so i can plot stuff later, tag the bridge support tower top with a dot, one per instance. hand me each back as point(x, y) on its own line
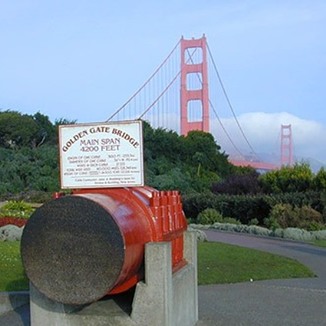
point(286, 145)
point(198, 96)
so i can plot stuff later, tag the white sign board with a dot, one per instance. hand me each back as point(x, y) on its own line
point(101, 155)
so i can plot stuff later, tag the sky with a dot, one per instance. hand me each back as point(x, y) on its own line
point(81, 60)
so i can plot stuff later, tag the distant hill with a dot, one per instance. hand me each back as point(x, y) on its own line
point(315, 165)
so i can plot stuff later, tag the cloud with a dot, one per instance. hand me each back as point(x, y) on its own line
point(263, 131)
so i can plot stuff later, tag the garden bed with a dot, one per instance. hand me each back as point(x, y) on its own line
point(17, 221)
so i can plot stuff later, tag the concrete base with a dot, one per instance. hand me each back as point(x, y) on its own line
point(163, 298)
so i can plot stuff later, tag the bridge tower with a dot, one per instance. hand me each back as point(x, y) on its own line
point(286, 145)
point(194, 98)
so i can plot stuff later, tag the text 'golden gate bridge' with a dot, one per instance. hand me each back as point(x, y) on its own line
point(177, 97)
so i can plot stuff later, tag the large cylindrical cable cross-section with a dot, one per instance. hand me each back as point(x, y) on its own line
point(75, 252)
point(78, 248)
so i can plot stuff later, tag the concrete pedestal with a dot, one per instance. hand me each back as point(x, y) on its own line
point(164, 298)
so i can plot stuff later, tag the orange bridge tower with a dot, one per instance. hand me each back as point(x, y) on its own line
point(286, 145)
point(194, 98)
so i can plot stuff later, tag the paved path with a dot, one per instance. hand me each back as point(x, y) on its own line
point(18, 317)
point(294, 302)
point(275, 302)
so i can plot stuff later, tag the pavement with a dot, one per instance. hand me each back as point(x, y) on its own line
point(297, 302)
point(274, 302)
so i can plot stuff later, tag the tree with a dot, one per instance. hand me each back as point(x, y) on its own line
point(162, 143)
point(189, 163)
point(297, 178)
point(64, 121)
point(202, 152)
point(239, 184)
point(319, 181)
point(17, 130)
point(46, 130)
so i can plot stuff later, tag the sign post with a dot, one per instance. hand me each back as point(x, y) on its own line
point(101, 155)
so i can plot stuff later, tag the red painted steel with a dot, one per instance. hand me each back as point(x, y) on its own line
point(143, 214)
point(187, 95)
point(256, 165)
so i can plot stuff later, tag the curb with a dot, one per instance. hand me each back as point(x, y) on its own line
point(12, 300)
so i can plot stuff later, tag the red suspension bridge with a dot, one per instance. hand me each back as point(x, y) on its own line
point(177, 97)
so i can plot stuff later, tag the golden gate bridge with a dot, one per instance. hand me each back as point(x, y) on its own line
point(177, 97)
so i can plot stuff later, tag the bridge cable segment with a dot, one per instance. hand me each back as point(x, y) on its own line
point(145, 84)
point(159, 97)
point(224, 129)
point(167, 87)
point(215, 112)
point(229, 102)
point(166, 77)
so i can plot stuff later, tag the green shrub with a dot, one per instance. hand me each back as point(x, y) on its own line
point(29, 196)
point(284, 216)
point(287, 216)
point(240, 207)
point(253, 229)
point(271, 223)
point(231, 220)
point(245, 208)
point(195, 203)
point(253, 221)
point(209, 216)
point(17, 209)
point(238, 184)
point(297, 178)
point(298, 234)
point(299, 199)
point(310, 219)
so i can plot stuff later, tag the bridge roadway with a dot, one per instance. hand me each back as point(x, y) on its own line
point(292, 302)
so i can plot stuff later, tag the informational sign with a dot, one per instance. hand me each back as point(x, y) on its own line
point(101, 155)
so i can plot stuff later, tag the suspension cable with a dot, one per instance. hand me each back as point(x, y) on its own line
point(229, 102)
point(147, 81)
point(167, 87)
point(217, 117)
point(157, 99)
point(225, 131)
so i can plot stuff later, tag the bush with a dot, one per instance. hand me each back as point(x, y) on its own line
point(195, 203)
point(310, 219)
point(30, 196)
point(256, 230)
point(245, 208)
point(253, 221)
point(286, 216)
point(298, 234)
point(297, 178)
point(289, 233)
point(240, 207)
point(17, 209)
point(231, 220)
point(271, 223)
point(283, 216)
point(299, 199)
point(238, 184)
point(209, 216)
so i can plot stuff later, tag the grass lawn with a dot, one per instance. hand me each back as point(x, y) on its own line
point(217, 263)
point(319, 243)
point(12, 276)
point(222, 263)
